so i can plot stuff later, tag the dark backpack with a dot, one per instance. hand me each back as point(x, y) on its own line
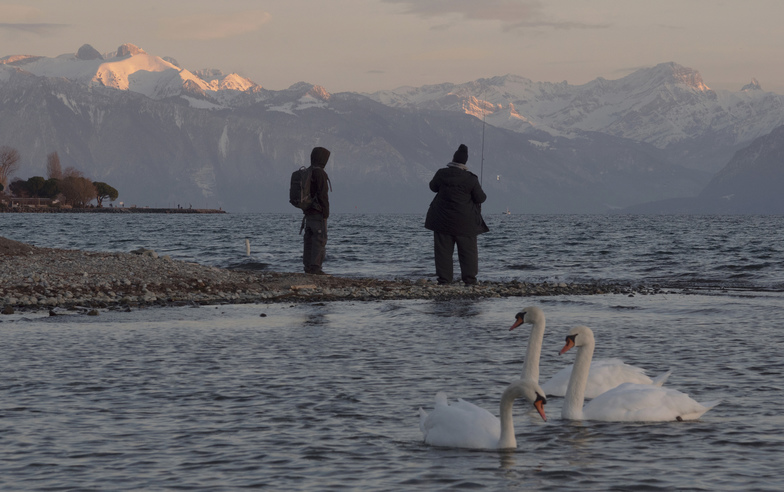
point(299, 190)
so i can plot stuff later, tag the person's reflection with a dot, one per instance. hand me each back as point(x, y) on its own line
point(456, 309)
point(316, 319)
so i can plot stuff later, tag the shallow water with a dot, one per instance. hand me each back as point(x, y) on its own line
point(671, 251)
point(325, 396)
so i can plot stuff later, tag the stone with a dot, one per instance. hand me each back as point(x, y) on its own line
point(87, 52)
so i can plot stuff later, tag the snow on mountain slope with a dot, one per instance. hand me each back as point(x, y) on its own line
point(131, 68)
point(161, 150)
point(661, 105)
point(218, 81)
point(5, 73)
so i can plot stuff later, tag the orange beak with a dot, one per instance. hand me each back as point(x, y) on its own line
point(518, 322)
point(539, 405)
point(569, 344)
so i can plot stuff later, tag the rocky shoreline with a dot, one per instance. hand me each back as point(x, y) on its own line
point(39, 279)
point(109, 210)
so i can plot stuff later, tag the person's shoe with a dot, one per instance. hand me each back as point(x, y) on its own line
point(318, 272)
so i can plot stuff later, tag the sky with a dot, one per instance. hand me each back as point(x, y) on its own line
point(372, 45)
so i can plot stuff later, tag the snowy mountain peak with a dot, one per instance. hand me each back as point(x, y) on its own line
point(660, 105)
point(219, 81)
point(128, 49)
point(673, 73)
point(752, 86)
point(132, 69)
point(300, 87)
point(209, 74)
point(18, 59)
point(318, 92)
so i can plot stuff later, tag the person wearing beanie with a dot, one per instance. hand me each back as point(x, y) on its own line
point(315, 220)
point(455, 217)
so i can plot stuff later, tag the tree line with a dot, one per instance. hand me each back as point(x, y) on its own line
point(68, 186)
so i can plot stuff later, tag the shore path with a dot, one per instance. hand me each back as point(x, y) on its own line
point(35, 279)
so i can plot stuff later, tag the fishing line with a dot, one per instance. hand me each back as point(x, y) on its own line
point(482, 165)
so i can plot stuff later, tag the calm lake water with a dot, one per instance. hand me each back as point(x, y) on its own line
point(324, 396)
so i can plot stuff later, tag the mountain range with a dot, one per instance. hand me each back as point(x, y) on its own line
point(165, 136)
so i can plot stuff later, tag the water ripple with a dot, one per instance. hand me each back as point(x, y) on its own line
point(672, 251)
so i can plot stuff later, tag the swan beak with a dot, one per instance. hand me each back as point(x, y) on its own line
point(518, 322)
point(569, 344)
point(539, 406)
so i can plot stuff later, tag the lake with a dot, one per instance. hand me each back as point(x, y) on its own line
point(325, 396)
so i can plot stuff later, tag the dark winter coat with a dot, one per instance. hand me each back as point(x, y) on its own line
point(456, 208)
point(319, 185)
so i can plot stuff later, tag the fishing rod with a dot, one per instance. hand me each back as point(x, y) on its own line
point(482, 165)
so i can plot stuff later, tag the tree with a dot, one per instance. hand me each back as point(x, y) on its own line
point(35, 185)
point(9, 160)
point(104, 191)
point(53, 168)
point(78, 191)
point(72, 172)
point(51, 188)
point(18, 188)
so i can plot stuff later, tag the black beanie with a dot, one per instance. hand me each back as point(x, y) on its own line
point(319, 156)
point(461, 156)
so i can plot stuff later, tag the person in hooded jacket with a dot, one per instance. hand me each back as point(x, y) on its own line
point(455, 217)
point(315, 220)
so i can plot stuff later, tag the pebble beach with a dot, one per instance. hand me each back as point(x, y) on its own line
point(34, 279)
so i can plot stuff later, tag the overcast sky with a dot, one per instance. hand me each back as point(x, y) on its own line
point(369, 45)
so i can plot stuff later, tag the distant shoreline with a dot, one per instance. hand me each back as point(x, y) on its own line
point(112, 210)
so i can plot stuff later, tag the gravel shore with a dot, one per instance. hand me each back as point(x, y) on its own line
point(38, 279)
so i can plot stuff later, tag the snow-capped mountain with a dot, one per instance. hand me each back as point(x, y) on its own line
point(668, 106)
point(130, 68)
point(164, 135)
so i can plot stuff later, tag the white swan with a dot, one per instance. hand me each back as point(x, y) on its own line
point(604, 374)
point(629, 402)
point(533, 316)
point(465, 425)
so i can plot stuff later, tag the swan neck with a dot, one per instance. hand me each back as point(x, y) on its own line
point(575, 391)
point(533, 352)
point(507, 439)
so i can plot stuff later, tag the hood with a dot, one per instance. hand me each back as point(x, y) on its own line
point(319, 157)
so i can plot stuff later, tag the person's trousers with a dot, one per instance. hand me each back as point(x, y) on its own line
point(467, 255)
point(315, 243)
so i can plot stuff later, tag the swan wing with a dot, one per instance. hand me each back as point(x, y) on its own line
point(460, 425)
point(556, 385)
point(631, 402)
point(604, 375)
point(661, 378)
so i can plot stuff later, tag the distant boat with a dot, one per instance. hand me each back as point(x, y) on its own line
point(507, 212)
